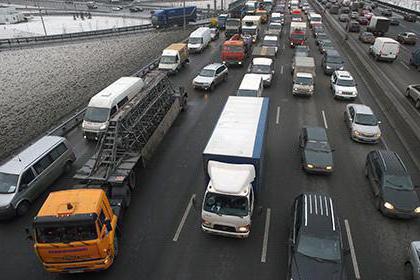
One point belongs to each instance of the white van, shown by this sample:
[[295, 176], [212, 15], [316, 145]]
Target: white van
[[106, 103], [385, 49], [251, 85], [199, 39]]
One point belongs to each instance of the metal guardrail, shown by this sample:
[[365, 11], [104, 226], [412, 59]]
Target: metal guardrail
[[16, 42], [398, 8]]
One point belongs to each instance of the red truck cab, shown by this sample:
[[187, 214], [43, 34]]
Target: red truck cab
[[235, 50]]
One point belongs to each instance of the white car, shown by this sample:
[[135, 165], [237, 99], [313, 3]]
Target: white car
[[362, 123], [210, 76], [263, 67], [343, 85]]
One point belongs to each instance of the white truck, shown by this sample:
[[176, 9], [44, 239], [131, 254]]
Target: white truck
[[233, 161], [174, 57], [303, 70], [251, 27]]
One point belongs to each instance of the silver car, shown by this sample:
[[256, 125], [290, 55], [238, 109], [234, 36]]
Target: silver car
[[27, 175], [362, 123], [210, 76], [412, 265]]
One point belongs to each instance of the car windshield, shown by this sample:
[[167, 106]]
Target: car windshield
[[247, 92], [270, 43], [206, 73], [318, 146], [168, 59], [275, 26], [398, 182], [345, 83], [66, 234], [226, 204], [195, 40], [366, 119], [319, 248], [261, 69], [95, 114], [8, 182], [334, 59], [305, 81], [321, 36]]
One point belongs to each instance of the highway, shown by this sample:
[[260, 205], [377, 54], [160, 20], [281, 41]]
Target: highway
[[157, 245]]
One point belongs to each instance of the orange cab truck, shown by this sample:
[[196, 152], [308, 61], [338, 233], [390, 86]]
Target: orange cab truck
[[236, 49]]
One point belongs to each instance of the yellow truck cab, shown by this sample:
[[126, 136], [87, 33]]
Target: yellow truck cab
[[75, 231]]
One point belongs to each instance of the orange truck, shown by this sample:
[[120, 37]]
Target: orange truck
[[236, 49]]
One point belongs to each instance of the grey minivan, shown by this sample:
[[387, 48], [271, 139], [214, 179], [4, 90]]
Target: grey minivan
[[332, 61], [27, 175]]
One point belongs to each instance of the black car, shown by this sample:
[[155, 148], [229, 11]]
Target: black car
[[331, 61], [325, 45], [315, 243], [316, 151], [319, 37], [302, 51], [391, 184], [318, 29]]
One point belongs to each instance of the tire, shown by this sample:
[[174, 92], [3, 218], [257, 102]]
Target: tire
[[418, 103], [408, 271], [23, 208]]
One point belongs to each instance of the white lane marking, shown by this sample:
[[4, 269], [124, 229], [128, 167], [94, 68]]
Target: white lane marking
[[324, 119], [265, 241], [184, 218], [405, 65], [278, 115], [281, 70], [352, 251]]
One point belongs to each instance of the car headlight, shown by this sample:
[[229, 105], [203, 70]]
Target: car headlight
[[388, 205], [103, 127], [378, 134], [240, 62], [310, 165], [328, 167], [205, 223], [355, 132], [295, 88], [339, 92], [243, 229], [328, 67], [417, 210]]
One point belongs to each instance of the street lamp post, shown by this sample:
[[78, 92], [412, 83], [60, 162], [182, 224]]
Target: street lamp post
[[42, 19]]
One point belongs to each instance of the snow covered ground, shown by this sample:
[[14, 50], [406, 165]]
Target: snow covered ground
[[65, 24], [409, 4]]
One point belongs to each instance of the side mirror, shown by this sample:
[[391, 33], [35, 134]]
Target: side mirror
[[28, 235], [108, 225]]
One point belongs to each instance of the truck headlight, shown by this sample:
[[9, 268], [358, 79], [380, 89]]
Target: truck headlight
[[328, 167], [310, 165], [389, 206], [243, 229], [417, 210]]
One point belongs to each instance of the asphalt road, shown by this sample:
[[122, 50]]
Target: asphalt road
[[175, 174]]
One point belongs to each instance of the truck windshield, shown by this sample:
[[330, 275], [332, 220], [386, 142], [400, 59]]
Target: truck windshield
[[261, 69], [66, 234], [233, 49], [304, 81], [95, 114], [8, 182], [226, 204], [195, 40], [298, 36], [250, 31], [247, 92], [168, 59], [270, 43]]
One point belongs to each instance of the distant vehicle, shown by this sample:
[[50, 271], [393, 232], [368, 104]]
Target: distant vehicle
[[105, 104], [174, 57], [250, 7], [331, 61], [378, 25], [343, 85], [410, 17], [27, 175], [344, 17], [301, 51], [394, 21], [233, 167], [329, 5], [251, 27], [317, 29], [174, 16], [199, 39], [232, 27], [363, 20], [367, 37], [316, 151], [251, 85], [235, 50], [135, 9], [214, 33], [271, 41], [408, 38], [210, 76], [353, 26], [275, 28], [334, 9], [354, 15], [415, 58], [316, 20], [345, 10], [263, 67], [297, 33], [91, 5], [277, 17], [386, 12], [391, 185], [325, 45], [118, 8], [362, 123], [385, 49], [413, 262], [413, 92], [315, 241], [221, 21]]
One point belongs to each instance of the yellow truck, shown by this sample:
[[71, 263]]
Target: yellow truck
[[75, 231]]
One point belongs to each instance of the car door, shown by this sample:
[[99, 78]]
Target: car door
[[351, 116], [44, 170], [26, 186], [376, 182], [218, 75]]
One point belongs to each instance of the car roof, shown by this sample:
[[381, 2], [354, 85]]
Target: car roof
[[316, 133], [345, 75], [251, 81], [319, 215], [213, 66], [272, 38], [361, 108], [392, 162], [25, 158]]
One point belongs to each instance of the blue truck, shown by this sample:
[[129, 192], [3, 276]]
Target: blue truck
[[174, 16], [233, 166]]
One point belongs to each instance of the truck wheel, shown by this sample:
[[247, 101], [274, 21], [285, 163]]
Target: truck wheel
[[23, 208], [418, 103]]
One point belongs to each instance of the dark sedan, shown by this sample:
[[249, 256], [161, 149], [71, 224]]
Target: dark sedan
[[367, 37], [316, 151], [325, 45], [302, 51], [319, 37]]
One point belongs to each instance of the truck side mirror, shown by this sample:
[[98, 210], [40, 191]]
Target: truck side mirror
[[28, 234], [108, 225]]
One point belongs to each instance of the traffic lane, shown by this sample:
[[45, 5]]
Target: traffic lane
[[355, 200]]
